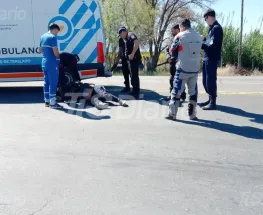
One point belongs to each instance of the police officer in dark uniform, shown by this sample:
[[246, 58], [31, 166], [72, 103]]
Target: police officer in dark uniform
[[172, 61], [129, 53], [68, 62], [212, 47]]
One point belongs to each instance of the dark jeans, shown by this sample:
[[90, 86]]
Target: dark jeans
[[210, 77], [134, 73]]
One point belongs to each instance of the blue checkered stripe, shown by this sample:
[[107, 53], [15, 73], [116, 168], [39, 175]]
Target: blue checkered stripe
[[80, 39]]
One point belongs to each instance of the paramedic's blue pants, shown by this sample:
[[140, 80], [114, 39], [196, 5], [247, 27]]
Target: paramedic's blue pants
[[51, 74], [210, 77]]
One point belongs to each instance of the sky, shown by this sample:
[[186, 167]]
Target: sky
[[253, 11]]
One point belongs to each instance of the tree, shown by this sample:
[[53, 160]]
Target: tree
[[135, 15], [168, 12], [149, 19]]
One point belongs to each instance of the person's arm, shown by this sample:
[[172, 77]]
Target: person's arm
[[175, 49], [54, 45], [135, 47], [119, 56], [167, 55], [56, 53], [120, 52], [212, 42]]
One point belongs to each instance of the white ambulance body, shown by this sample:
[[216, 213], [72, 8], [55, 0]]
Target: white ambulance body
[[22, 22]]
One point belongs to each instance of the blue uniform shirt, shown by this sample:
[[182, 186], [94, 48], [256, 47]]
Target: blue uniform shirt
[[47, 42], [212, 45]]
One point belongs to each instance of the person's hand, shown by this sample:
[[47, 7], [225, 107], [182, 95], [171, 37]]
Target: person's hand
[[203, 37], [131, 56]]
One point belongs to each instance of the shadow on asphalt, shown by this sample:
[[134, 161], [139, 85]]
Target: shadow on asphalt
[[21, 95], [258, 118], [34, 95], [145, 95], [82, 114], [244, 131], [31, 95]]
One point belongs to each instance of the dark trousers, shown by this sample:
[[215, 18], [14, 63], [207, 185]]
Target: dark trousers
[[172, 74], [62, 82], [210, 77], [134, 73]]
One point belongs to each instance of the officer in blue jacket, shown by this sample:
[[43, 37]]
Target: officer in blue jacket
[[50, 63], [212, 46]]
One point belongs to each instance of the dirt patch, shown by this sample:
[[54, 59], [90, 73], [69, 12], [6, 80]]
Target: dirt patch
[[234, 71]]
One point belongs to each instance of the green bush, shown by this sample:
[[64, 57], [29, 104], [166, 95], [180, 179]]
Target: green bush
[[252, 53]]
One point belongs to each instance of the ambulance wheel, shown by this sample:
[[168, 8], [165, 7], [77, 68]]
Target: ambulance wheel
[[59, 99], [69, 78]]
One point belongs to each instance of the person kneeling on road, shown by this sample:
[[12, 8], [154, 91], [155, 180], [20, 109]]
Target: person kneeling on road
[[73, 91], [68, 62], [187, 49]]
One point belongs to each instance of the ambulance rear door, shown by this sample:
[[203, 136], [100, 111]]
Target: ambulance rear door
[[81, 31]]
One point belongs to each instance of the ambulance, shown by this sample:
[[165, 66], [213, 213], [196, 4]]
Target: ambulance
[[22, 22]]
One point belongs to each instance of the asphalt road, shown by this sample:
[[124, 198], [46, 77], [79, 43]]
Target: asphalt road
[[127, 161]]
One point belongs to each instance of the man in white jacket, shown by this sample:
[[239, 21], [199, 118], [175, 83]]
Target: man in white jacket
[[187, 50]]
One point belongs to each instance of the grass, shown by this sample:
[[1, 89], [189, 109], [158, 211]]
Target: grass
[[228, 70]]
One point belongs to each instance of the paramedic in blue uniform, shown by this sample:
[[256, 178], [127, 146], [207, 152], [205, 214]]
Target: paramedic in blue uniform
[[50, 64], [129, 53], [212, 47]]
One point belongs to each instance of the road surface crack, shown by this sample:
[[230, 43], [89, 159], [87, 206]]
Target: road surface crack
[[42, 208]]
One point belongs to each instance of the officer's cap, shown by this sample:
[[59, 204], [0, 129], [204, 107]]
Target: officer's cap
[[210, 12], [121, 29]]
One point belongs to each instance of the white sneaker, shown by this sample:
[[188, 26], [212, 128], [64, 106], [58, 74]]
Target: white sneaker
[[100, 105], [123, 103]]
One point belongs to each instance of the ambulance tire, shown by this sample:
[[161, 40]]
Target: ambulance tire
[[70, 78], [59, 96]]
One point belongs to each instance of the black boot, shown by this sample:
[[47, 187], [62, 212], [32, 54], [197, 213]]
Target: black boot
[[183, 96], [211, 105], [168, 98], [205, 103]]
